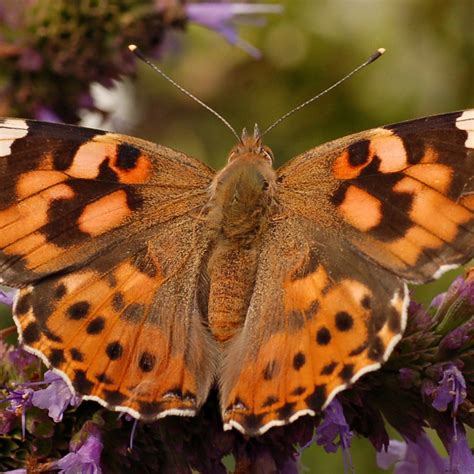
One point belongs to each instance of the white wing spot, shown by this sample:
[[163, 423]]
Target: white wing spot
[[443, 269], [466, 122], [11, 130]]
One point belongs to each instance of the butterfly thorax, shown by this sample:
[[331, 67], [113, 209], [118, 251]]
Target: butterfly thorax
[[240, 209], [243, 195]]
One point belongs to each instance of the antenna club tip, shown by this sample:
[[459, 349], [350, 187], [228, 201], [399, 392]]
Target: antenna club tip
[[375, 56], [132, 47]]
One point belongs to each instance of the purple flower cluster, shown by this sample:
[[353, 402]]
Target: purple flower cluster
[[421, 457], [411, 457], [18, 401], [427, 383], [443, 386]]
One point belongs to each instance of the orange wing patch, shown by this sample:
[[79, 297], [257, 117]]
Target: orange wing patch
[[467, 202], [302, 293], [428, 203], [104, 214], [435, 175], [123, 162], [34, 182], [89, 157], [384, 146], [413, 244], [20, 224], [361, 209]]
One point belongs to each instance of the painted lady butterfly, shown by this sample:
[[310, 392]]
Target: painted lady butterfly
[[146, 278]]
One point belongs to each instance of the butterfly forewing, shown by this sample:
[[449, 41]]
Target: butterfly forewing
[[70, 193], [401, 194]]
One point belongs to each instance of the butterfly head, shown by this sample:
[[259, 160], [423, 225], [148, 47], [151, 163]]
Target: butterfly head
[[251, 146]]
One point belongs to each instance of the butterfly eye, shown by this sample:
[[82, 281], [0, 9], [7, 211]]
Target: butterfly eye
[[267, 152]]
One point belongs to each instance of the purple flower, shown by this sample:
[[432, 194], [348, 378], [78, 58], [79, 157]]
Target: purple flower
[[408, 377], [221, 17], [451, 389], [85, 452], [454, 288], [21, 359], [7, 421], [56, 397], [418, 318], [438, 300], [461, 459], [462, 288], [454, 307], [410, 457], [20, 400], [455, 339], [46, 114], [466, 291], [395, 452], [335, 425], [7, 297]]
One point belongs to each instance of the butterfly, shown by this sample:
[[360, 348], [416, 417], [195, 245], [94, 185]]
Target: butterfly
[[147, 278]]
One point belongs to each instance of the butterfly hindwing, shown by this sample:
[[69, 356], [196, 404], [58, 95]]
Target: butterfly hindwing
[[319, 319], [121, 336], [98, 230]]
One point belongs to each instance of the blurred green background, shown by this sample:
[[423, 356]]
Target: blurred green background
[[427, 69]]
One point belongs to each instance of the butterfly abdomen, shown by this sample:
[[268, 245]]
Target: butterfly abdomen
[[232, 278]]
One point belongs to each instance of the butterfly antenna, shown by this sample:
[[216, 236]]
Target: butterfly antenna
[[134, 49], [371, 59]]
